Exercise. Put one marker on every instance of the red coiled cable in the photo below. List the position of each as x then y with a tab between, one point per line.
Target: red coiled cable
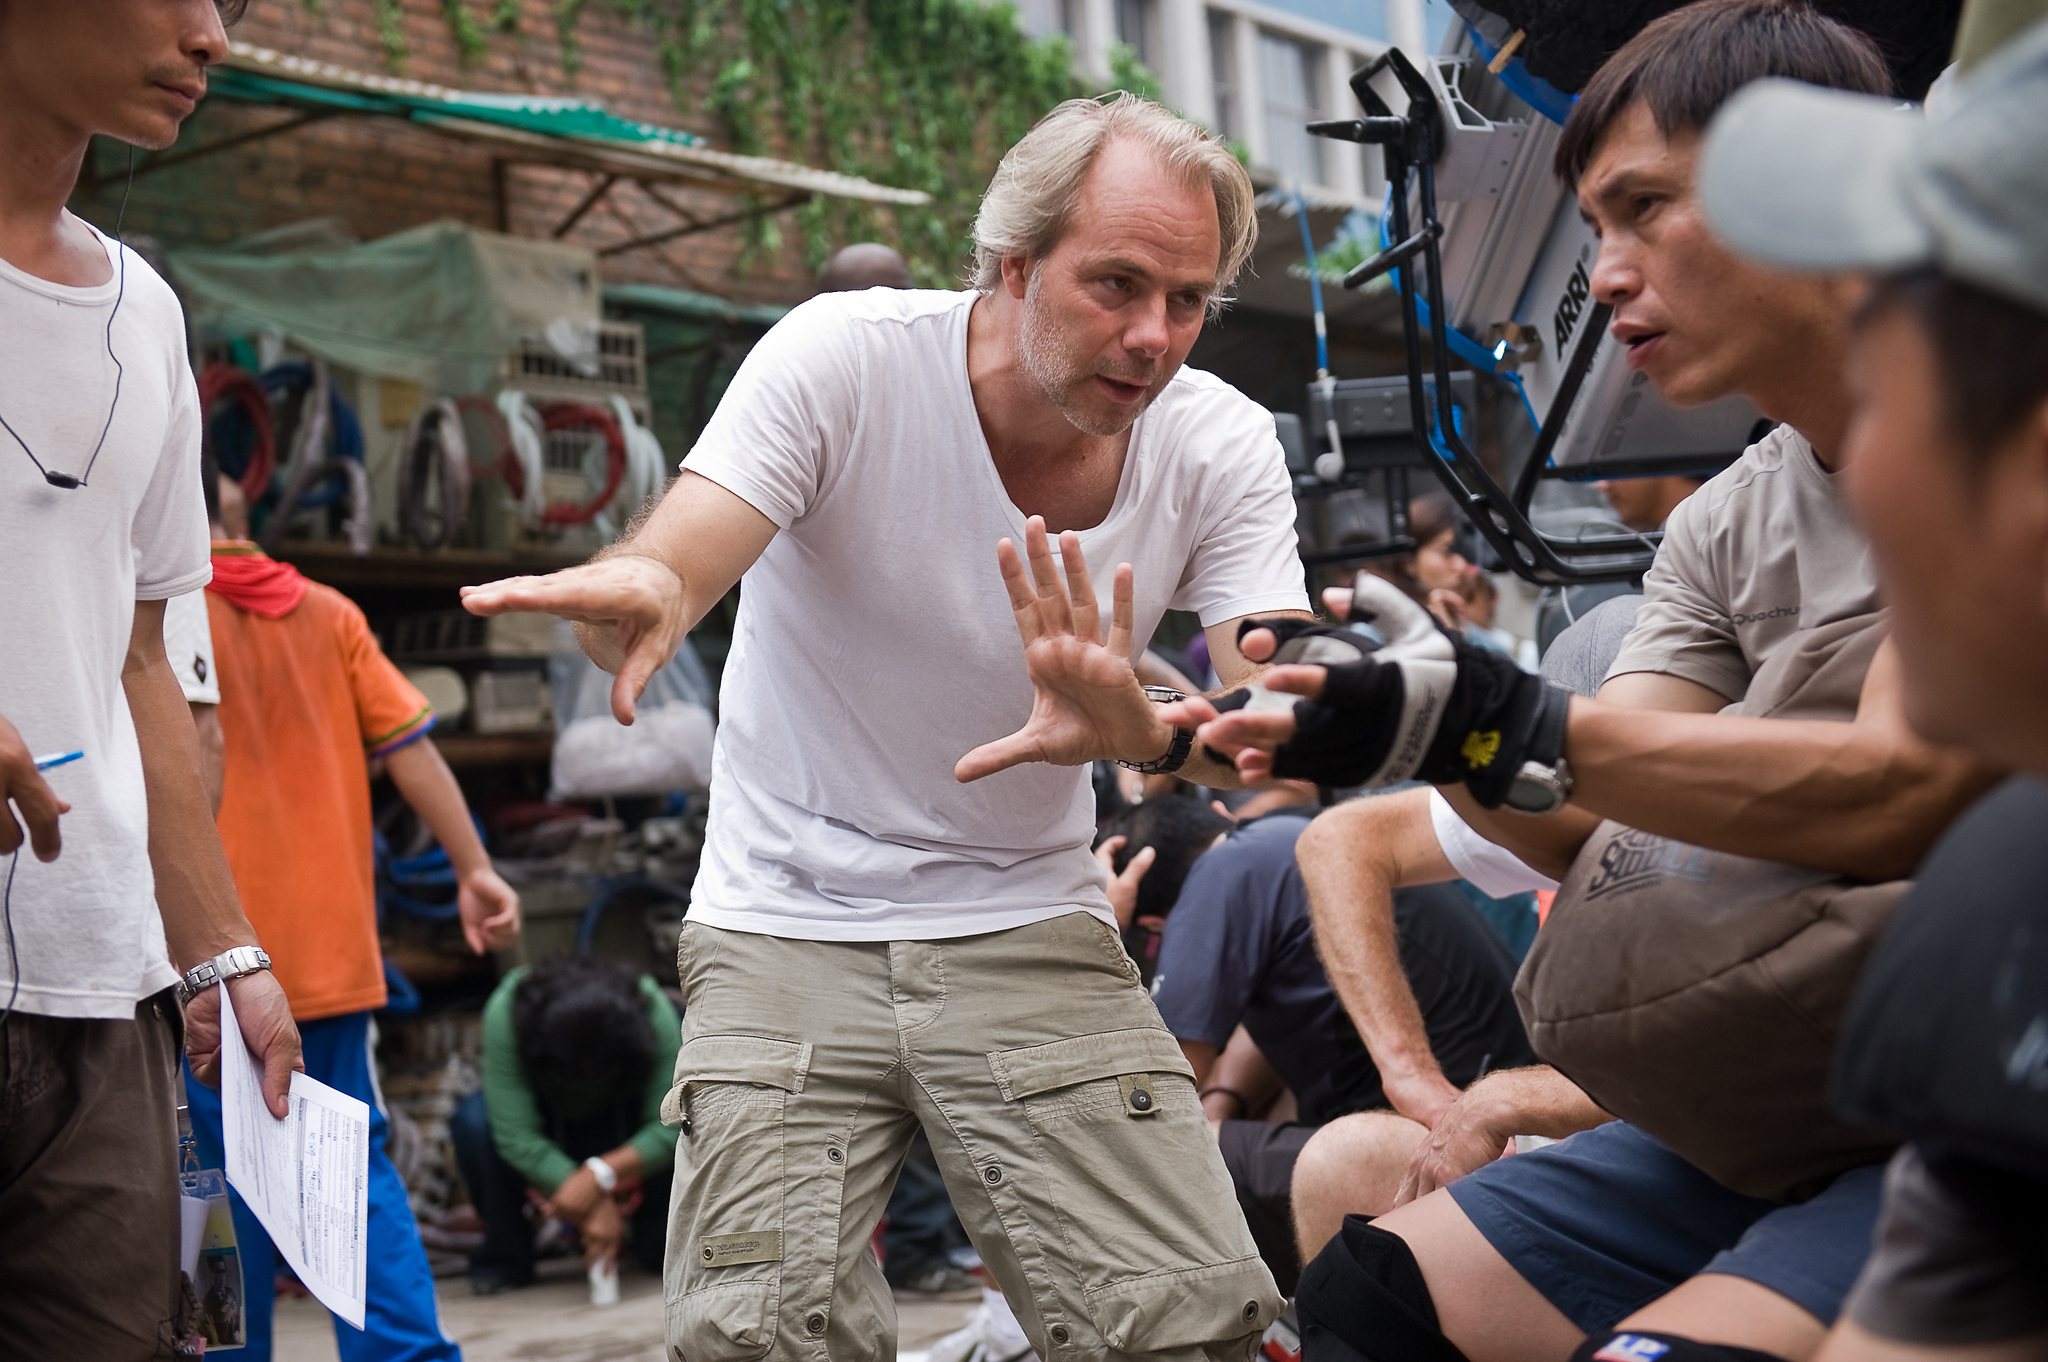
223	380
575	416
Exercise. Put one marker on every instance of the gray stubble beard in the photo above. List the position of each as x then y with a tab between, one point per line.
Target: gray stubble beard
1047	362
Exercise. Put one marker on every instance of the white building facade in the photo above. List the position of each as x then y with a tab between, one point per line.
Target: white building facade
1254	73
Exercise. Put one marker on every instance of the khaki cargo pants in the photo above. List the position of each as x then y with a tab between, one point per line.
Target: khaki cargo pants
1061	1111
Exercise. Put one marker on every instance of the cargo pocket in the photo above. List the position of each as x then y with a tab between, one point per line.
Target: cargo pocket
723	1277
1194	1307
1143	1203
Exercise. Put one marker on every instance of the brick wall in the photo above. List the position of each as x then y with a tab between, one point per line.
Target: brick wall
380	176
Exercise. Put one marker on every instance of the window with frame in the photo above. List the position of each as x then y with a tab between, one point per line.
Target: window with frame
1137	26
1042	17
1293	101
1223	73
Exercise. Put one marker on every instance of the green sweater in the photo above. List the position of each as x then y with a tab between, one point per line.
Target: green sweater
519	1127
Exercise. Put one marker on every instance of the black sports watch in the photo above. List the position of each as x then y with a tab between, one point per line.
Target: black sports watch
1544	784
1183	738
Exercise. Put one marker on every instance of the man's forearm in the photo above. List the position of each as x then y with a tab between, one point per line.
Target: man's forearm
1858	799
702	535
213	754
1350	866
1534	1101
195	892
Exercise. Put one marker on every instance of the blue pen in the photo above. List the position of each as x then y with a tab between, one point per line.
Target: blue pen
57	759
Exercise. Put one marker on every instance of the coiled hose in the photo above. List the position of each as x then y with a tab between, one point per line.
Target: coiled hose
435	449
312	476
220	381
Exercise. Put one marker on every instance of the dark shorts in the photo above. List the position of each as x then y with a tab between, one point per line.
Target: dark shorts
1609	1220
89	1185
1961	1256
1260	1157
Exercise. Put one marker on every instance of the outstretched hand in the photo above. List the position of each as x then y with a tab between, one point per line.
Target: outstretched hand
632	609
1087	703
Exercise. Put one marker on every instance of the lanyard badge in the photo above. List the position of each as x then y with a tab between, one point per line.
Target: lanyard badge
212	1319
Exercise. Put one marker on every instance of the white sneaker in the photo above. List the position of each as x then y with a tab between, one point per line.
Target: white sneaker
991	1334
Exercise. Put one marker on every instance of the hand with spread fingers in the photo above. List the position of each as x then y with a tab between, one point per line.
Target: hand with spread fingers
1087	703
630	612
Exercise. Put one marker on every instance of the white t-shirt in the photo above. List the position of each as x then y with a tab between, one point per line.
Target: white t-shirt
75	562
876	646
1493	870
188	643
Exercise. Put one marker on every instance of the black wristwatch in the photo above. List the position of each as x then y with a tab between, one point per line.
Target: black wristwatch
1183	739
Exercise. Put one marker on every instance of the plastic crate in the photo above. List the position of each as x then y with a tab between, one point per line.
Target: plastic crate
621	365
456	635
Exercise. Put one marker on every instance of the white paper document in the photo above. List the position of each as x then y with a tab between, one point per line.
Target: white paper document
306	1177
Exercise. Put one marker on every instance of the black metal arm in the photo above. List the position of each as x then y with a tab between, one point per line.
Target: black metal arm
1410	144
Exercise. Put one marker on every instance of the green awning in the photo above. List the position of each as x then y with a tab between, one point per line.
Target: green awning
574	133
553	117
687	306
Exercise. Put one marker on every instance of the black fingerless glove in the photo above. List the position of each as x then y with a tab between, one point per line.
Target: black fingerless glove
1426	705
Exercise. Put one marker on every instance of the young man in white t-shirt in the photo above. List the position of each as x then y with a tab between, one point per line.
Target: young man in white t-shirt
898	921
101	521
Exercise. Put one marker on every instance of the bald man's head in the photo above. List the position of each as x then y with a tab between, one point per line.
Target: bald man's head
867	265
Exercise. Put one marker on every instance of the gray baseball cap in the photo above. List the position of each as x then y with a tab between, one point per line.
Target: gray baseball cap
1810	179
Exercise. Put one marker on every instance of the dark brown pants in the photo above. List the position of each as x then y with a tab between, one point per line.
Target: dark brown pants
88	1185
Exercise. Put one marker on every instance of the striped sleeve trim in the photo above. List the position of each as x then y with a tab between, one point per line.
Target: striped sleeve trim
412	730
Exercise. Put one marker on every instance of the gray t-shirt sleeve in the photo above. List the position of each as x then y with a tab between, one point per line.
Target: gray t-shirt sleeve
1683	627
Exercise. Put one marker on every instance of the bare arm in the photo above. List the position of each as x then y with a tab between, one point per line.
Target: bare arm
202	915
1352	858
1865	798
213	754
1500	1106
1240	1083
488	906
1154	670
635	601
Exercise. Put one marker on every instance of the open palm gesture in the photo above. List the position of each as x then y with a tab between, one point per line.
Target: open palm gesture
1087	703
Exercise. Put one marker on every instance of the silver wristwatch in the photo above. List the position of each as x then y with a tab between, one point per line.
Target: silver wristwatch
232	963
1540	787
1177	750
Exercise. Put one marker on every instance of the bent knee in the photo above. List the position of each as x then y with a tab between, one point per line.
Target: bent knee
1362	1138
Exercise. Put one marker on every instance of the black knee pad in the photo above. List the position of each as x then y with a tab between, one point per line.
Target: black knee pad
1363	1300
1637	1345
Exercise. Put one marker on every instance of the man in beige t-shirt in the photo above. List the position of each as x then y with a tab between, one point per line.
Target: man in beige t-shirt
1764	552
1510	1265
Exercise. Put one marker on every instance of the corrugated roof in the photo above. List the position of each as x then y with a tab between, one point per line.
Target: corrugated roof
550	129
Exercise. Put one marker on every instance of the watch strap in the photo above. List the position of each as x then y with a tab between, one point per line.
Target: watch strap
606	1175
1553	713
232	963
1183	739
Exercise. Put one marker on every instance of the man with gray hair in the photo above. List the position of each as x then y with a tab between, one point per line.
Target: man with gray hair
885	933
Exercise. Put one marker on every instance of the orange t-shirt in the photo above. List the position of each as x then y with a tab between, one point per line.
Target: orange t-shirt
305	700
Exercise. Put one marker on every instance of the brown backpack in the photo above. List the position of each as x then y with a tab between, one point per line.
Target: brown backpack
1699	995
